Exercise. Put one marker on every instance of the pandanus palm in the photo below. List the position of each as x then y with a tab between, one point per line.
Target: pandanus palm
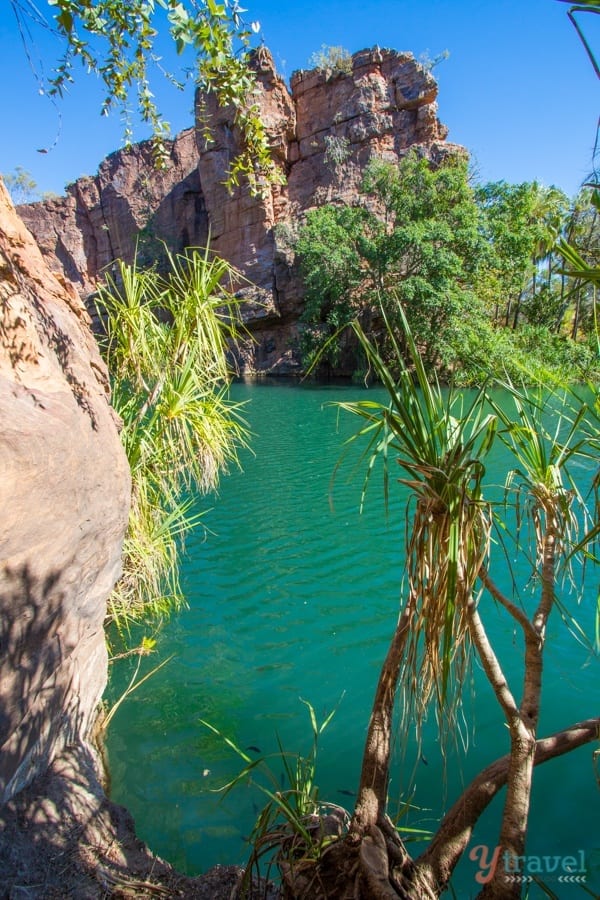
440	441
546	497
166	348
441	452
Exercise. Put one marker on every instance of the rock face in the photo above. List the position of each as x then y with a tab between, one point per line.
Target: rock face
64	495
323	132
128	202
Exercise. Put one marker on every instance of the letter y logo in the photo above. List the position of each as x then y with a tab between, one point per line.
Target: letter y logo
479	854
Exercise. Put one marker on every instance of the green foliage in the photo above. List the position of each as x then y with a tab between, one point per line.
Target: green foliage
423	245
530	355
441	441
468	266
116	41
521	224
329	246
576	266
441	447
331	60
20	185
293	829
166	346
434	249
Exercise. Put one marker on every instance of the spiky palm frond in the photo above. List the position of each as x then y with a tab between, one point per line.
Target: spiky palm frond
166	346
544	434
441	450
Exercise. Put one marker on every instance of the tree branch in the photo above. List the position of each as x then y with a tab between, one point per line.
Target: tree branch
508	605
456	828
490	663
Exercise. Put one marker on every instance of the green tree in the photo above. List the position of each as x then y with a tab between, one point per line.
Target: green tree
434	249
582	234
329	245
521	223
416	232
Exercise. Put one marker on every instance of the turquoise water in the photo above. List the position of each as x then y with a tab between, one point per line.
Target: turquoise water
293	594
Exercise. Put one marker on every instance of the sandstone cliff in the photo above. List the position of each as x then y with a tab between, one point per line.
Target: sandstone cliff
64	495
323	131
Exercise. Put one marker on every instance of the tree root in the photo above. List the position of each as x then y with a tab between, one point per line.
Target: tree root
374	866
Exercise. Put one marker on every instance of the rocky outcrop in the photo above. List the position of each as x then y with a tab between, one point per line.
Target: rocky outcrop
129	203
323	131
64	495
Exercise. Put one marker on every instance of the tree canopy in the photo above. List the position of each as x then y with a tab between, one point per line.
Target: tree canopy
476	270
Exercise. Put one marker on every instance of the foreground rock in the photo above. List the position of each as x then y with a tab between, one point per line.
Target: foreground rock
64	495
61	838
323	132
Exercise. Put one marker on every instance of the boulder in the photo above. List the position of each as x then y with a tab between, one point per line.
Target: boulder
64	495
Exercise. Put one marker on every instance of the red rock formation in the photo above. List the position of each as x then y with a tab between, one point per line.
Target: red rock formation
323	132
64	495
129	202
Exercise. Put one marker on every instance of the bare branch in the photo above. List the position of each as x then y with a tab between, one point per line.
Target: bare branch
490	663
508	605
454	833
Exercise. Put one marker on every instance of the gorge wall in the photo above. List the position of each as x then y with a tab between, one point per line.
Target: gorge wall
64	495
323	131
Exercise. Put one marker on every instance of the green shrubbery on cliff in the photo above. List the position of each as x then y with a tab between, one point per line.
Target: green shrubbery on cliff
476	271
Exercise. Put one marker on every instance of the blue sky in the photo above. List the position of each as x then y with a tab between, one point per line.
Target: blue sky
517	89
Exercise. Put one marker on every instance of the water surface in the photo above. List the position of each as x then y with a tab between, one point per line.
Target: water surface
293	594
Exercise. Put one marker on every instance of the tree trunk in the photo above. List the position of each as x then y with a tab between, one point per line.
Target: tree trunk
372	792
456	829
523	728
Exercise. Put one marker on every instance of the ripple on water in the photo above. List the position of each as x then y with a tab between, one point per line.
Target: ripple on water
290	598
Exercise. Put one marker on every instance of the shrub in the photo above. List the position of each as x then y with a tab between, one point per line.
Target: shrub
331	60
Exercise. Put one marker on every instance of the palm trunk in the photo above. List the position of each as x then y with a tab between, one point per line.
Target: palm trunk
523	728
372	792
